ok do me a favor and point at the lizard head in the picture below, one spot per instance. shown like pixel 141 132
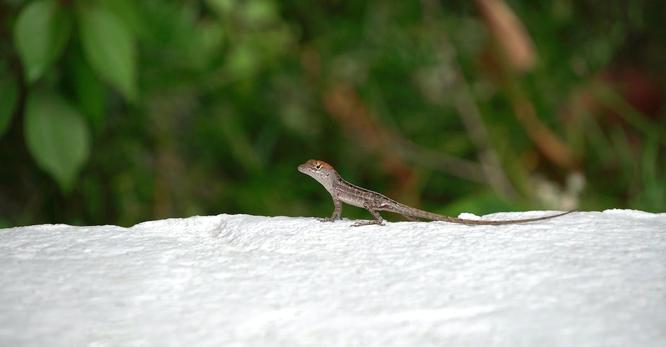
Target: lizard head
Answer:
pixel 321 171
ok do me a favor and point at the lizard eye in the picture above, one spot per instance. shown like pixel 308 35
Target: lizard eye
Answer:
pixel 318 166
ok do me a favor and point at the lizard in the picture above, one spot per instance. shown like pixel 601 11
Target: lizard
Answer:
pixel 344 192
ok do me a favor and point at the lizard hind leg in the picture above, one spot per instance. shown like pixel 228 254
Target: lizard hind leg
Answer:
pixel 377 221
pixel 367 222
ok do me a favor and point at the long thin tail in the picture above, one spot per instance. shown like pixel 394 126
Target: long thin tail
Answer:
pixel 433 216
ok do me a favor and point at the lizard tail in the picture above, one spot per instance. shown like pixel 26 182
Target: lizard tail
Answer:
pixel 433 216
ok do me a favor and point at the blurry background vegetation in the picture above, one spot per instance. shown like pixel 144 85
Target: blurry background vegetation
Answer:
pixel 121 111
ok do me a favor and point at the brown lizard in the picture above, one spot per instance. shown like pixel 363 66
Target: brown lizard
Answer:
pixel 343 191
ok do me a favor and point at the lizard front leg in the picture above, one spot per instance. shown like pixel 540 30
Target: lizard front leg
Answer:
pixel 337 211
pixel 378 218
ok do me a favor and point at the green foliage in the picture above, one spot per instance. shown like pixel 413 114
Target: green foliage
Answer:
pixel 118 111
pixel 40 33
pixel 90 93
pixel 57 137
pixel 109 48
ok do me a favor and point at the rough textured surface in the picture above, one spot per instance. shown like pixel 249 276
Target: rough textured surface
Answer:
pixel 586 279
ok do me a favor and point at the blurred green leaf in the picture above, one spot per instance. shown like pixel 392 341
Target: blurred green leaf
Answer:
pixel 109 48
pixel 57 137
pixel 242 62
pixel 8 97
pixel 222 7
pixel 40 34
pixel 128 12
pixel 259 12
pixel 197 43
pixel 240 144
pixel 205 43
pixel 90 94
